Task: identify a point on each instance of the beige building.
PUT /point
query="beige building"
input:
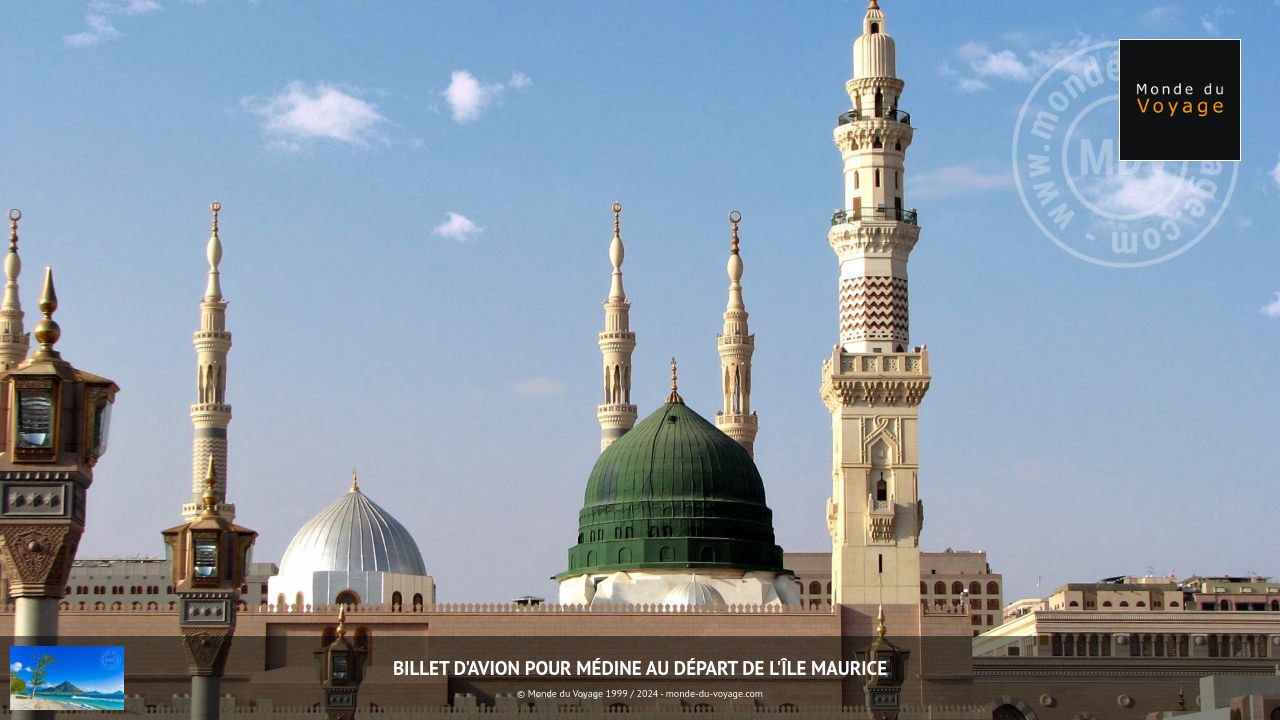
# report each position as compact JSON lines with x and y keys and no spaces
{"x":139,"y":584}
{"x":950,"y":578}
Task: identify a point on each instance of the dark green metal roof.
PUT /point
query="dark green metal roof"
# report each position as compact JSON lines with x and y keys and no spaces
{"x":674,"y":492}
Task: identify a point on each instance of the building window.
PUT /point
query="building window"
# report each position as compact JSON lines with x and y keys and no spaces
{"x":855,"y":179}
{"x":957,"y":587}
{"x":877,"y":144}
{"x":993,"y":588}
{"x":939,"y":588}
{"x":975,"y":588}
{"x":815,"y":588}
{"x":1124,"y":603}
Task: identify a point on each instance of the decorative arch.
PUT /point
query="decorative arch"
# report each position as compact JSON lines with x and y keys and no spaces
{"x":624,"y":555}
{"x":939,"y":588}
{"x":397,"y":601}
{"x":349,"y":598}
{"x":975,"y":588}
{"x":957,"y":587}
{"x":417,"y":602}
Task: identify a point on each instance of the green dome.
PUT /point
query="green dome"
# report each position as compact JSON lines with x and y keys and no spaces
{"x":674,"y":492}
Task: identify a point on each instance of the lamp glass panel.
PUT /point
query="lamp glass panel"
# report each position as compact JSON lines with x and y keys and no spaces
{"x":101,"y":427}
{"x":35,"y":418}
{"x":340,"y":666}
{"x":206,"y":559}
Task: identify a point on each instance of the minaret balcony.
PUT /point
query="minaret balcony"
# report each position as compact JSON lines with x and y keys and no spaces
{"x":879,"y":212}
{"x":893,"y":114}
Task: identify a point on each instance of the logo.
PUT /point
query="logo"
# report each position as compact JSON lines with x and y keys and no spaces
{"x":1109,"y":212}
{"x":111,"y":658}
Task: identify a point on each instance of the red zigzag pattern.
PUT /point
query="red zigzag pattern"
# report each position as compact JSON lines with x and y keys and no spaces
{"x":873,"y":308}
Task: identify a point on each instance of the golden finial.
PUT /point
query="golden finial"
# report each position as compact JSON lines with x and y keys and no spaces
{"x":874,"y":5}
{"x":210,"y":500}
{"x":14,"y":216}
{"x":735,"y":217}
{"x":355,"y":480}
{"x":342,"y":620}
{"x":674,"y":397}
{"x":880,"y":609}
{"x":617,"y":222}
{"x":215,"y":207}
{"x":47,"y":331}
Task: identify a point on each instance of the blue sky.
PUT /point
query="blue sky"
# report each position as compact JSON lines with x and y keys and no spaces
{"x":89,"y":667}
{"x":416,"y":221}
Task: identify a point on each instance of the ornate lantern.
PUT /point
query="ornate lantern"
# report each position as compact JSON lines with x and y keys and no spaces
{"x":341,"y":669}
{"x":54,"y":421}
{"x":884,"y":692}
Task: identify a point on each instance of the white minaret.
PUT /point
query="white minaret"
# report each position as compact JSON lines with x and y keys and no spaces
{"x":616,"y":414}
{"x":736,"y":345}
{"x":874,"y":381}
{"x":14,"y":341}
{"x":211,"y":414}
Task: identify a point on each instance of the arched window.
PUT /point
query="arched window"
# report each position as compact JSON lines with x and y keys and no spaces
{"x":364,"y":640}
{"x":882,"y":489}
{"x":877,"y":171}
{"x":1224,"y":605}
{"x":815,"y":588}
{"x":665,"y":554}
{"x":396,"y":601}
{"x":591,"y":558}
{"x":1142,"y":603}
{"x":993,"y":588}
{"x":1124,"y":603}
{"x":1106,"y":603}
{"x":624,"y":555}
{"x":1074,"y":603}
{"x":417,"y":602}
{"x":957,"y":587}
{"x":828,"y":588}
{"x":1275,"y":713}
{"x":1007,"y":712}
{"x":939,"y":588}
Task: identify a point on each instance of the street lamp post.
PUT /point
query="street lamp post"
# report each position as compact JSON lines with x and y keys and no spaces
{"x":54,"y":421}
{"x":884,"y":692}
{"x":341,"y":668}
{"x":209,"y":557}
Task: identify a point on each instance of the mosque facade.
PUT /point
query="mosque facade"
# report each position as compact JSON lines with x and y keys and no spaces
{"x":675,"y":550}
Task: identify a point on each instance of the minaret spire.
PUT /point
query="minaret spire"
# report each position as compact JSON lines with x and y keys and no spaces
{"x":14,"y":341}
{"x":211,"y":414}
{"x":736,"y":345}
{"x":616,"y":414}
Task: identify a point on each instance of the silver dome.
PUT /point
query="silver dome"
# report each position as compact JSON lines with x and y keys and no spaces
{"x":694,"y":593}
{"x":353,"y":534}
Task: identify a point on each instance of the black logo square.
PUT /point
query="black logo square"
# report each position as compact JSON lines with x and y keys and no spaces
{"x":1180,"y":100}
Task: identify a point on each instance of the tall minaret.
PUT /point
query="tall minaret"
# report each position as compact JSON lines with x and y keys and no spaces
{"x":211,"y":414}
{"x":874,"y":381}
{"x":736,"y":345}
{"x":616,"y":414}
{"x":14,"y":341}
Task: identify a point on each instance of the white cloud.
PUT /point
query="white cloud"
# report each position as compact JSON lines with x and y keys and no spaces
{"x":1008,"y":65}
{"x":1272,"y":309}
{"x":458,"y":227}
{"x":1212,"y":23}
{"x":302,"y":113}
{"x":129,"y":7}
{"x":956,"y":180}
{"x":17,"y":666}
{"x":538,"y":387}
{"x":1275,"y":171}
{"x":963,"y":85}
{"x":100,"y":28}
{"x":1148,"y":190}
{"x":468,"y":96}
{"x":1159,"y":16}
